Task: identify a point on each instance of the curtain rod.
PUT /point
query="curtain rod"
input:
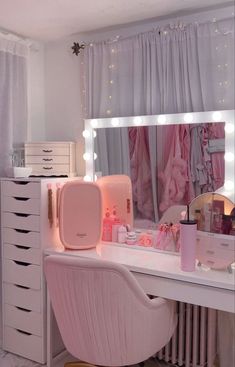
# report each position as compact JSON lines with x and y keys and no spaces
{"x":4,"y":33}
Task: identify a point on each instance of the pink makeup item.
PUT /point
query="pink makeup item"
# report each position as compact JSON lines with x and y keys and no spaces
{"x":80,"y":215}
{"x":107,"y":227}
{"x":188,"y":230}
{"x":122,"y":233}
{"x":131,"y":238}
{"x":117,"y":193}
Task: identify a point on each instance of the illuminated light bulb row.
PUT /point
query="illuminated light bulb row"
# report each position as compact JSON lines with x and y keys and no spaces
{"x":162,"y":119}
{"x":88,"y":178}
{"x":229,"y":157}
{"x":229,"y":185}
{"x":86,"y":134}
{"x":229,"y":127}
{"x":87,"y":156}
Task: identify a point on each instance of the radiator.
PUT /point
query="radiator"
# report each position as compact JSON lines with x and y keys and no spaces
{"x":194,"y":341}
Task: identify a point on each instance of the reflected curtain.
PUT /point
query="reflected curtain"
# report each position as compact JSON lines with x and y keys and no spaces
{"x":170,"y":70}
{"x":13,"y":98}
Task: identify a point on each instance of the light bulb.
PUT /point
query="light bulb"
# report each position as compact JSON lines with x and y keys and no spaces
{"x":188,"y":117}
{"x":94,"y":123}
{"x":95,"y":156}
{"x":115,"y":122}
{"x":86,"y":133}
{"x":229,"y":157}
{"x":87,"y":178}
{"x":161,"y":119}
{"x":216,"y":116}
{"x":229,"y":185}
{"x":137,"y":120}
{"x":229,"y":127}
{"x":94,"y":134}
{"x":86,"y":156}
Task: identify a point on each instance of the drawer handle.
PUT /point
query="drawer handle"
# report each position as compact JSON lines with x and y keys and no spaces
{"x":224,"y":244}
{"x":22,"y":247}
{"x":47,"y":167}
{"x":23,"y":332}
{"x":21,"y":230}
{"x":210,"y":252}
{"x":47,"y":159}
{"x":47,"y":150}
{"x":20,"y":199}
{"x":210,"y":262}
{"x":21,"y":286}
{"x":22,"y":263}
{"x":21,"y":182}
{"x":22,"y":215}
{"x":23,"y":309}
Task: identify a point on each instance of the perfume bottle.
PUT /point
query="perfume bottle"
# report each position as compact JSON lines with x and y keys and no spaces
{"x":107,"y":227}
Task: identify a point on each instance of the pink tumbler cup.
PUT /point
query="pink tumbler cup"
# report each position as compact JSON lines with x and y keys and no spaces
{"x":188,"y":229}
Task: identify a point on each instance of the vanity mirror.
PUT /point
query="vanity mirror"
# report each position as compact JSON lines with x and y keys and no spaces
{"x":171,"y":132}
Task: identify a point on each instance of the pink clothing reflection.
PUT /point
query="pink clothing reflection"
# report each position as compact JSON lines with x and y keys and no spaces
{"x":141,"y":172}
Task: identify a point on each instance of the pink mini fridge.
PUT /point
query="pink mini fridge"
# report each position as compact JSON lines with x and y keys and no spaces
{"x":80,"y":215}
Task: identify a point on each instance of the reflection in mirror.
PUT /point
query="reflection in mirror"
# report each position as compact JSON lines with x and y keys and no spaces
{"x":167,"y":156}
{"x":168,"y":165}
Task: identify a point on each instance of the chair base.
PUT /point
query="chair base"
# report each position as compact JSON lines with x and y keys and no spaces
{"x":78,"y":364}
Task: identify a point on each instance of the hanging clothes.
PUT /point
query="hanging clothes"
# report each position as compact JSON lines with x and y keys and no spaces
{"x":174,"y":178}
{"x":140,"y":173}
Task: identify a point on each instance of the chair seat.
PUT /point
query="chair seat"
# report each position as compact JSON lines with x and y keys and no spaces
{"x":78,"y":364}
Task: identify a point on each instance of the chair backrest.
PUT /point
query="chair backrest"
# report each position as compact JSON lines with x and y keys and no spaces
{"x":103,"y":315}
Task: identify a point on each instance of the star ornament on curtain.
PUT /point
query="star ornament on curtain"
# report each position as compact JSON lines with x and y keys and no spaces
{"x":77,"y":48}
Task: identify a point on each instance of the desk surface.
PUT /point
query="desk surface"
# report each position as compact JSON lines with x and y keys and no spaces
{"x":204,"y":287}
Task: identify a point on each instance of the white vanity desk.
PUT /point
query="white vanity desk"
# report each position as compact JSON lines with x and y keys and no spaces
{"x":160,"y":275}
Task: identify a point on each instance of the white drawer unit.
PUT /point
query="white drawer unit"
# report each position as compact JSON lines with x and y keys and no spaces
{"x":25,"y":232}
{"x":51,"y":158}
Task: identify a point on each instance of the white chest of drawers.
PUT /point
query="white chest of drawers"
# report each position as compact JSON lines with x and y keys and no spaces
{"x":51,"y":158}
{"x":26,"y":231}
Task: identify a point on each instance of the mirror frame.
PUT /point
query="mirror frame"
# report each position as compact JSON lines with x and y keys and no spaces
{"x":226,"y":116}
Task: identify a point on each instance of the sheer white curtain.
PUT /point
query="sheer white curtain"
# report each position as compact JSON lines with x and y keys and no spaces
{"x":13,"y":98}
{"x":167,"y":70}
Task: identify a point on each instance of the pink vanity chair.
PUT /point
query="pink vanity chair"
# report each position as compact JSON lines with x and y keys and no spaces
{"x":103,"y":314}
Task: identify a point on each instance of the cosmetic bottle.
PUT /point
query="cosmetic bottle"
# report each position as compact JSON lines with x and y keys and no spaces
{"x":107,"y":227}
{"x":131,"y":238}
{"x":198,"y":218}
{"x":226,"y":224}
{"x":122,"y":233}
{"x":217,"y":221}
{"x":207,"y":217}
{"x":115,"y":225}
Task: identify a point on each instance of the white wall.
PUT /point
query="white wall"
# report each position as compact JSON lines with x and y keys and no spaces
{"x":63,"y":115}
{"x":62,"y":96}
{"x":36,"y":99}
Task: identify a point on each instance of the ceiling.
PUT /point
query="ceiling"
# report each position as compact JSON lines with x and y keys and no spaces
{"x":48,"y":20}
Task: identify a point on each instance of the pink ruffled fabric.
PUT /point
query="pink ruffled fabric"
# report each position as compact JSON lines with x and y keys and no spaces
{"x":141,"y":172}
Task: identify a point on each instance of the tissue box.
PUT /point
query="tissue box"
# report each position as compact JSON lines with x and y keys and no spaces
{"x":19,"y":172}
